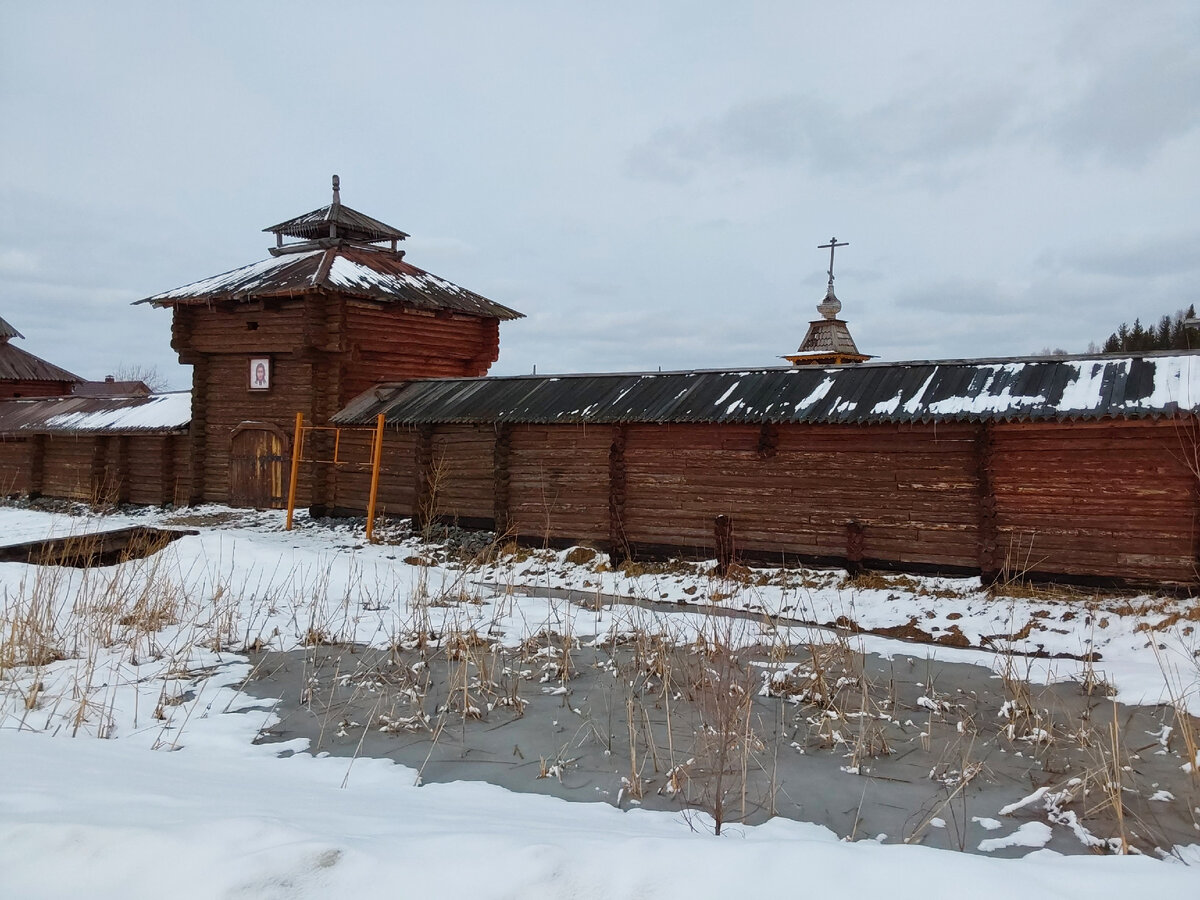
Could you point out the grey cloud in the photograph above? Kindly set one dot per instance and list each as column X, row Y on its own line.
column 925, row 129
column 960, row 296
column 1137, row 257
column 1135, row 97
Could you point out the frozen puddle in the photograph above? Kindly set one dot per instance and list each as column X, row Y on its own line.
column 88, row 549
column 945, row 754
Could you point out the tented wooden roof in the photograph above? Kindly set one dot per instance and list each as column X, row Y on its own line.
column 337, row 222
column 337, row 252
column 356, row 270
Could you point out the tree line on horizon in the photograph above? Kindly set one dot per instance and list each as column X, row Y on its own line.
column 1169, row 334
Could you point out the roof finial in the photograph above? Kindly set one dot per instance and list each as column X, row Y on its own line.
column 831, row 246
column 337, row 191
column 831, row 305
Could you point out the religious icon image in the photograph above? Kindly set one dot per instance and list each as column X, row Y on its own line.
column 260, row 374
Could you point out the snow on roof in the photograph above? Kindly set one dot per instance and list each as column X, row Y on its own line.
column 1147, row 385
column 237, row 281
column 157, row 413
column 371, row 272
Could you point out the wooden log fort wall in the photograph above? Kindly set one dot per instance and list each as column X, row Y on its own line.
column 16, row 466
column 68, row 467
column 97, row 468
column 559, row 482
column 461, row 476
column 1105, row 499
column 397, row 477
column 909, row 491
column 150, row 474
column 181, row 449
column 1112, row 499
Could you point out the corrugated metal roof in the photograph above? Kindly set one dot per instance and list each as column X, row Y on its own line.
column 17, row 365
column 164, row 413
column 361, row 271
column 1081, row 387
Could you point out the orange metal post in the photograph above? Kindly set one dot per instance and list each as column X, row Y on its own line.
column 297, row 450
column 376, row 458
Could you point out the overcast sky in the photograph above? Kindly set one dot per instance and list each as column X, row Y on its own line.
column 647, row 182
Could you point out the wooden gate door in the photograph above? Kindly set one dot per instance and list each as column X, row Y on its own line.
column 257, row 460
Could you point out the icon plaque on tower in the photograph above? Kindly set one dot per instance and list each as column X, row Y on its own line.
column 260, row 373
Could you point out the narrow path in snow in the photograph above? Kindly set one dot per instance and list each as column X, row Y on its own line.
column 908, row 634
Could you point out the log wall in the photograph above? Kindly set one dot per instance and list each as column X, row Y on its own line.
column 1111, row 499
column 17, row 388
column 558, row 482
column 231, row 404
column 67, row 467
column 397, row 476
column 15, row 468
column 1114, row 498
column 462, row 484
column 389, row 343
column 147, row 469
column 911, row 490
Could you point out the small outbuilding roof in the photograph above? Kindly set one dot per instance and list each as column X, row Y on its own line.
column 162, row 413
column 18, row 365
column 1032, row 389
column 110, row 387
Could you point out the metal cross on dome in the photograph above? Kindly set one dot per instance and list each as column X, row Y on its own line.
column 831, row 246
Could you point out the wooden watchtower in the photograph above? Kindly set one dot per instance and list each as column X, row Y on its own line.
column 332, row 311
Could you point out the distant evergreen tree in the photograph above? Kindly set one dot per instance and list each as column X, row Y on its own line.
column 1137, row 336
column 1162, row 337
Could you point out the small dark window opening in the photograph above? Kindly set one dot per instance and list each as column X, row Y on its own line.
column 252, row 326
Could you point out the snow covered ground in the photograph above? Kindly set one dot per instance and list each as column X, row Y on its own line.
column 127, row 766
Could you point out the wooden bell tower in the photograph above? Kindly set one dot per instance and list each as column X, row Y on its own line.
column 828, row 341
